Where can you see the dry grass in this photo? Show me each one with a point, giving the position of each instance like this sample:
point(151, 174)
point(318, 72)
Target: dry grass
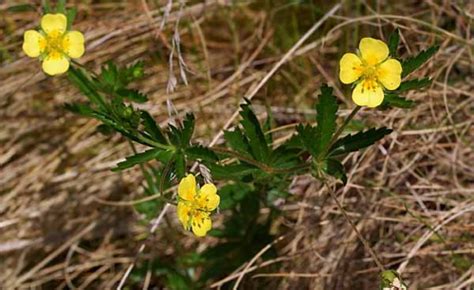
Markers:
point(411, 196)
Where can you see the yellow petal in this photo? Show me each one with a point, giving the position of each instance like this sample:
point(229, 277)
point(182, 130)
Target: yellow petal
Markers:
point(350, 68)
point(187, 188)
point(184, 211)
point(389, 73)
point(73, 44)
point(370, 95)
point(54, 23)
point(55, 65)
point(208, 199)
point(201, 224)
point(373, 51)
point(33, 43)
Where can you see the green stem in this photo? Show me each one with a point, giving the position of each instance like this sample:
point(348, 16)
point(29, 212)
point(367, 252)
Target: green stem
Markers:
point(354, 227)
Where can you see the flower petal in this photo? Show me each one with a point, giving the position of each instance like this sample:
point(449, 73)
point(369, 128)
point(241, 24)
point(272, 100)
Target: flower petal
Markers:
point(350, 68)
point(201, 224)
point(187, 188)
point(373, 51)
point(208, 199)
point(55, 65)
point(73, 44)
point(368, 95)
point(33, 43)
point(389, 73)
point(183, 211)
point(56, 23)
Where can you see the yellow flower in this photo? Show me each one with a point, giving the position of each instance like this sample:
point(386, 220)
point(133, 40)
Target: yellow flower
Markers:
point(195, 205)
point(53, 44)
point(373, 69)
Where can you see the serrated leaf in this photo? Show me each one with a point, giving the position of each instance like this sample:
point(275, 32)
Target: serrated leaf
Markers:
point(253, 131)
point(307, 135)
point(336, 169)
point(237, 141)
point(188, 129)
point(202, 153)
point(414, 84)
point(326, 110)
point(138, 158)
point(152, 128)
point(411, 64)
point(393, 41)
point(392, 100)
point(180, 165)
point(358, 141)
point(132, 95)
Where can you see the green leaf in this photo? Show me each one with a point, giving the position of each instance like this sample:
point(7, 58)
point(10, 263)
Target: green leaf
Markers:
point(80, 80)
point(132, 95)
point(152, 128)
point(61, 6)
point(237, 141)
point(21, 8)
point(392, 100)
point(232, 171)
point(80, 109)
point(326, 110)
point(201, 152)
point(188, 129)
point(307, 137)
point(411, 64)
point(138, 158)
point(393, 41)
point(71, 15)
point(253, 131)
point(336, 169)
point(414, 84)
point(181, 136)
point(180, 165)
point(358, 141)
point(105, 129)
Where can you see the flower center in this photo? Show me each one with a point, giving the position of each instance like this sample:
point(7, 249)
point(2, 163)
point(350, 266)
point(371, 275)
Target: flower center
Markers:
point(54, 44)
point(370, 76)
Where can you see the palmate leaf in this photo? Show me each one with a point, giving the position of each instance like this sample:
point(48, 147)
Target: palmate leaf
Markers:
point(393, 100)
point(411, 64)
point(253, 131)
point(80, 109)
point(393, 41)
point(414, 84)
point(358, 141)
point(326, 110)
